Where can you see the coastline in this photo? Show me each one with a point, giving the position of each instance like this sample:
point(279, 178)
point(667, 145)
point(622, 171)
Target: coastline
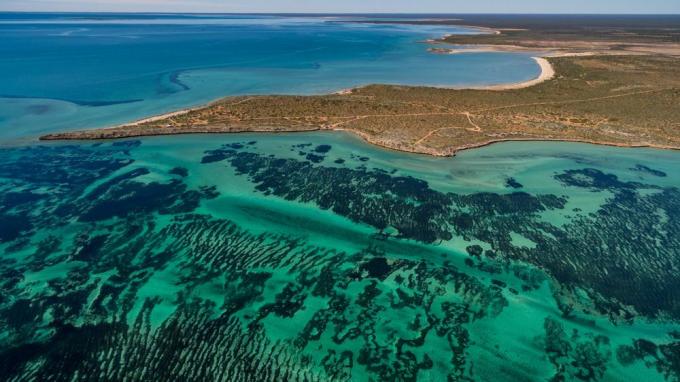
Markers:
point(546, 74)
point(448, 152)
point(136, 129)
point(159, 117)
point(452, 151)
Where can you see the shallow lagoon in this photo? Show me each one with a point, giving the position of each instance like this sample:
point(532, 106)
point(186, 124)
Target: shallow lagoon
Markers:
point(125, 253)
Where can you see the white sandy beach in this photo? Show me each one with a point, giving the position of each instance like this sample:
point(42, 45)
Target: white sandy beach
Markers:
point(547, 73)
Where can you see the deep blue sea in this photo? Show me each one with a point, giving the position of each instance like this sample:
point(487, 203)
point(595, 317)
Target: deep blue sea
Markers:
point(70, 71)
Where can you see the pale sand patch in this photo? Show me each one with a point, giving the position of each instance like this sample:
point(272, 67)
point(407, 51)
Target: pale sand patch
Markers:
point(160, 117)
point(547, 73)
point(345, 91)
point(179, 112)
point(481, 48)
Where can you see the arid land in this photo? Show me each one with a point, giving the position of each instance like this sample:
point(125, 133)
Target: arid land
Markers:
point(603, 92)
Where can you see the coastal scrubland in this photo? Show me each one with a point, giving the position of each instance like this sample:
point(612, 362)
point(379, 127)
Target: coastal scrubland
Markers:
point(624, 100)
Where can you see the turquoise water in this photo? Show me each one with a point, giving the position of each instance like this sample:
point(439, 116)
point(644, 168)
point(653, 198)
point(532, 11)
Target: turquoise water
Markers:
point(315, 256)
point(70, 71)
point(236, 250)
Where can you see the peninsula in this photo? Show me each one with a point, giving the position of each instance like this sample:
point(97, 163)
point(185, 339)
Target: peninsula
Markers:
point(609, 87)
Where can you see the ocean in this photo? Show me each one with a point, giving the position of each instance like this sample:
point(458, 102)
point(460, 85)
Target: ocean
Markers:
point(310, 256)
point(75, 71)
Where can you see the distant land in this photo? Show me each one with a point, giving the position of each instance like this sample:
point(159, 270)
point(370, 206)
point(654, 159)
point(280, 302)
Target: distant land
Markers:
point(612, 80)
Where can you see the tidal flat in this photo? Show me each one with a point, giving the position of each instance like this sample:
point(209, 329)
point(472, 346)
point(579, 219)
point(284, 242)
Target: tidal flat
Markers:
point(315, 256)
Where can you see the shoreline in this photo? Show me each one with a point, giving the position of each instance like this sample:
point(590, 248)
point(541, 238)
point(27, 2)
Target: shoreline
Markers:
point(547, 73)
point(451, 152)
point(446, 153)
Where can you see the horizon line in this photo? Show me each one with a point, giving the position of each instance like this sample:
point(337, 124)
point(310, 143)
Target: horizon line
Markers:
point(353, 13)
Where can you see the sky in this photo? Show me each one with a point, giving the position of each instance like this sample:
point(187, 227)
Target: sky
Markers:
point(349, 6)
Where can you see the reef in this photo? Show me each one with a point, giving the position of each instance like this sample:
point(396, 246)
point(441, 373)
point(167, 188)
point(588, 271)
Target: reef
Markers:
point(110, 270)
point(94, 323)
point(665, 357)
point(637, 278)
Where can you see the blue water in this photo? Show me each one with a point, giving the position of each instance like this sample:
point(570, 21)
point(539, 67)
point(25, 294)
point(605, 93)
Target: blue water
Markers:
point(310, 256)
point(71, 71)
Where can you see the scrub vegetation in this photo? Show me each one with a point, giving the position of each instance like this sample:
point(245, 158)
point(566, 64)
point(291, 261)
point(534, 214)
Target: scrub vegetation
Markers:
point(628, 100)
